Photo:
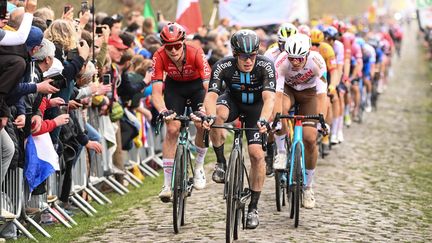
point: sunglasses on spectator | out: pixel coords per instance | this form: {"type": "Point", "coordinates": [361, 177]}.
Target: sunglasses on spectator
{"type": "Point", "coordinates": [174, 46]}
{"type": "Point", "coordinates": [296, 59]}
{"type": "Point", "coordinates": [245, 56]}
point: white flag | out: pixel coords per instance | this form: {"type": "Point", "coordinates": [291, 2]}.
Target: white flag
{"type": "Point", "coordinates": [250, 13]}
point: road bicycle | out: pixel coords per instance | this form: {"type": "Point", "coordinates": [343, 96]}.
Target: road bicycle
{"type": "Point", "coordinates": [183, 171]}
{"type": "Point", "coordinates": [236, 193]}
{"type": "Point", "coordinates": [294, 174]}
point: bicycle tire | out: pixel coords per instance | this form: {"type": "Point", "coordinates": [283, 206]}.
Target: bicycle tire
{"type": "Point", "coordinates": [231, 205]}
{"type": "Point", "coordinates": [238, 192]}
{"type": "Point", "coordinates": [178, 189]}
{"type": "Point", "coordinates": [279, 191]}
{"type": "Point", "coordinates": [185, 192]}
{"type": "Point", "coordinates": [298, 183]}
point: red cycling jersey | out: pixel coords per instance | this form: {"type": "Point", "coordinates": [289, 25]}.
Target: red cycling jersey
{"type": "Point", "coordinates": [195, 65]}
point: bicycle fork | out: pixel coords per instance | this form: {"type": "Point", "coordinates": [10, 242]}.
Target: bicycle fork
{"type": "Point", "coordinates": [298, 138]}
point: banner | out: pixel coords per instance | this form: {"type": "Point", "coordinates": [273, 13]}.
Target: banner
{"type": "Point", "coordinates": [189, 15]}
{"type": "Point", "coordinates": [149, 13]}
{"type": "Point", "coordinates": [251, 13]}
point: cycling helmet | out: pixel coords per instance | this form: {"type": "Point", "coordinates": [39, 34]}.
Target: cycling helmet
{"type": "Point", "coordinates": [244, 41]}
{"type": "Point", "coordinates": [286, 30]}
{"type": "Point", "coordinates": [320, 27]}
{"type": "Point", "coordinates": [304, 29]}
{"type": "Point", "coordinates": [172, 32]}
{"type": "Point", "coordinates": [298, 45]}
{"type": "Point", "coordinates": [317, 36]}
{"type": "Point", "coordinates": [331, 32]}
{"type": "Point", "coordinates": [342, 28]}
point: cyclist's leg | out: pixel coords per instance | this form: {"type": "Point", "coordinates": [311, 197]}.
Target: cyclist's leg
{"type": "Point", "coordinates": [174, 101]}
{"type": "Point", "coordinates": [355, 91]}
{"type": "Point", "coordinates": [226, 111]}
{"type": "Point", "coordinates": [308, 100]}
{"type": "Point", "coordinates": [256, 155]}
{"type": "Point", "coordinates": [197, 97]}
{"type": "Point", "coordinates": [287, 101]}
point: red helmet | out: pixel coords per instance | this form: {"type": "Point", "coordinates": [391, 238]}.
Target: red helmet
{"type": "Point", "coordinates": [342, 27]}
{"type": "Point", "coordinates": [172, 32]}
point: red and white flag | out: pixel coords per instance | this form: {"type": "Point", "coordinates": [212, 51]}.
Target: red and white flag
{"type": "Point", "coordinates": [189, 15]}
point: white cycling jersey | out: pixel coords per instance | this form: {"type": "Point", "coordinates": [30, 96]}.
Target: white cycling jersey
{"type": "Point", "coordinates": [338, 48]}
{"type": "Point", "coordinates": [306, 77]}
{"type": "Point", "coordinates": [273, 53]}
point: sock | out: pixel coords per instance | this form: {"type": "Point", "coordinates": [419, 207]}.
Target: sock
{"type": "Point", "coordinates": [199, 161]}
{"type": "Point", "coordinates": [335, 126]}
{"type": "Point", "coordinates": [347, 110]}
{"type": "Point", "coordinates": [341, 124]}
{"type": "Point", "coordinates": [167, 167]}
{"type": "Point", "coordinates": [270, 149]}
{"type": "Point", "coordinates": [309, 177]}
{"type": "Point", "coordinates": [280, 143]}
{"type": "Point", "coordinates": [219, 151]}
{"type": "Point", "coordinates": [254, 200]}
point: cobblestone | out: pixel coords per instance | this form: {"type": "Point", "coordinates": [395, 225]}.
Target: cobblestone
{"type": "Point", "coordinates": [358, 187]}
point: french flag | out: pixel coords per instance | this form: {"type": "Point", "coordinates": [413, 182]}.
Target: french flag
{"type": "Point", "coordinates": [189, 15]}
{"type": "Point", "coordinates": [41, 160]}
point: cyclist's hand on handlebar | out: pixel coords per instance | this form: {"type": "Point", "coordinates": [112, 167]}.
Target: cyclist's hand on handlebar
{"type": "Point", "coordinates": [263, 125]}
{"type": "Point", "coordinates": [168, 115]}
{"type": "Point", "coordinates": [198, 116]}
{"type": "Point", "coordinates": [208, 121]}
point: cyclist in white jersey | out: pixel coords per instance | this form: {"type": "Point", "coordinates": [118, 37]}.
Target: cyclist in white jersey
{"type": "Point", "coordinates": [285, 31]}
{"type": "Point", "coordinates": [331, 34]}
{"type": "Point", "coordinates": [301, 78]}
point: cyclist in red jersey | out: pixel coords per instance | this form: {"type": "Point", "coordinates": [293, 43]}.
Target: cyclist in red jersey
{"type": "Point", "coordinates": [181, 72]}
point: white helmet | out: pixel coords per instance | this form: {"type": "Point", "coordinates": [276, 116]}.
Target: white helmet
{"type": "Point", "coordinates": [286, 30]}
{"type": "Point", "coordinates": [298, 45]}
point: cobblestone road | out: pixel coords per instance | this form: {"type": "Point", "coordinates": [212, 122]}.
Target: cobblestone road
{"type": "Point", "coordinates": [359, 187]}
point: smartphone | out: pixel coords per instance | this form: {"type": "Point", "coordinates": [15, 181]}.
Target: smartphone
{"type": "Point", "coordinates": [84, 6]}
{"type": "Point", "coordinates": [106, 78]}
{"type": "Point", "coordinates": [3, 9]}
{"type": "Point", "coordinates": [64, 109]}
{"type": "Point", "coordinates": [99, 29]}
{"type": "Point", "coordinates": [67, 7]}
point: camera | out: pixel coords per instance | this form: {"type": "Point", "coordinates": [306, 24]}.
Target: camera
{"type": "Point", "coordinates": [99, 29]}
{"type": "Point", "coordinates": [72, 54]}
{"type": "Point", "coordinates": [106, 78]}
{"type": "Point", "coordinates": [59, 81]}
{"type": "Point", "coordinates": [84, 7]}
{"type": "Point", "coordinates": [64, 109]}
{"type": "Point", "coordinates": [3, 9]}
{"type": "Point", "coordinates": [67, 7]}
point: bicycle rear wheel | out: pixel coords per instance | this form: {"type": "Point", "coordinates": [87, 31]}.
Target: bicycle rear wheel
{"type": "Point", "coordinates": [298, 183]}
{"type": "Point", "coordinates": [178, 189]}
{"type": "Point", "coordinates": [280, 187]}
{"type": "Point", "coordinates": [232, 183]}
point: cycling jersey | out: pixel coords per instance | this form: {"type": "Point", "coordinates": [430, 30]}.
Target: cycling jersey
{"type": "Point", "coordinates": [272, 53]}
{"type": "Point", "coordinates": [328, 54]}
{"type": "Point", "coordinates": [195, 65]}
{"type": "Point", "coordinates": [246, 88]}
{"type": "Point", "coordinates": [356, 53]}
{"type": "Point", "coordinates": [338, 48]}
{"type": "Point", "coordinates": [369, 54]}
{"type": "Point", "coordinates": [307, 77]}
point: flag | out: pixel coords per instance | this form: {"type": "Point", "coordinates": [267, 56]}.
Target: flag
{"type": "Point", "coordinates": [149, 13]}
{"type": "Point", "coordinates": [189, 15]}
{"type": "Point", "coordinates": [248, 13]}
{"type": "Point", "coordinates": [41, 160]}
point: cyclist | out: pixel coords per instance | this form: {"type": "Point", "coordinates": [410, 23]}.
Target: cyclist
{"type": "Point", "coordinates": [285, 31]}
{"type": "Point", "coordinates": [250, 86]}
{"type": "Point", "coordinates": [187, 74]}
{"type": "Point", "coordinates": [301, 77]}
{"type": "Point", "coordinates": [330, 37]}
{"type": "Point", "coordinates": [327, 52]}
{"type": "Point", "coordinates": [369, 59]}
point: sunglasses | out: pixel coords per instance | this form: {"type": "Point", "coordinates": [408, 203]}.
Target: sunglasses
{"type": "Point", "coordinates": [245, 56]}
{"type": "Point", "coordinates": [296, 59]}
{"type": "Point", "coordinates": [174, 46]}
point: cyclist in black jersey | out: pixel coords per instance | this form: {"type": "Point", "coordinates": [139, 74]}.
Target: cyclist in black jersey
{"type": "Point", "coordinates": [250, 90]}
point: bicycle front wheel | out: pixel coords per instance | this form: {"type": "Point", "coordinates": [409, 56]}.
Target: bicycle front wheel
{"type": "Point", "coordinates": [178, 188]}
{"type": "Point", "coordinates": [232, 183]}
{"type": "Point", "coordinates": [297, 183]}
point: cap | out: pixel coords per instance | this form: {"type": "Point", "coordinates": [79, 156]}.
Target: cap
{"type": "Point", "coordinates": [117, 42]}
{"type": "Point", "coordinates": [34, 38]}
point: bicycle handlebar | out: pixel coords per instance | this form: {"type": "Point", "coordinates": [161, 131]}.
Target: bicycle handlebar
{"type": "Point", "coordinates": [235, 129]}
{"type": "Point", "coordinates": [319, 117]}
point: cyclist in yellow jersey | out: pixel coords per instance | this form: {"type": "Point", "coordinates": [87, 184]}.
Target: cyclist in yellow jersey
{"type": "Point", "coordinates": [327, 52]}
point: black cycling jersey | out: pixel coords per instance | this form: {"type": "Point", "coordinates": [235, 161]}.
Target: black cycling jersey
{"type": "Point", "coordinates": [246, 88]}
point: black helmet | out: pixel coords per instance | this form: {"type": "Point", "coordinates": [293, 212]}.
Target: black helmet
{"type": "Point", "coordinates": [245, 41]}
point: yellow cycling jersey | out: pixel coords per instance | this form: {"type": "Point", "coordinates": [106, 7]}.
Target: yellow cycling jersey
{"type": "Point", "coordinates": [328, 54]}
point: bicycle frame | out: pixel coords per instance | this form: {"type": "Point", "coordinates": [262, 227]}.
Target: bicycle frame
{"type": "Point", "coordinates": [298, 138]}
